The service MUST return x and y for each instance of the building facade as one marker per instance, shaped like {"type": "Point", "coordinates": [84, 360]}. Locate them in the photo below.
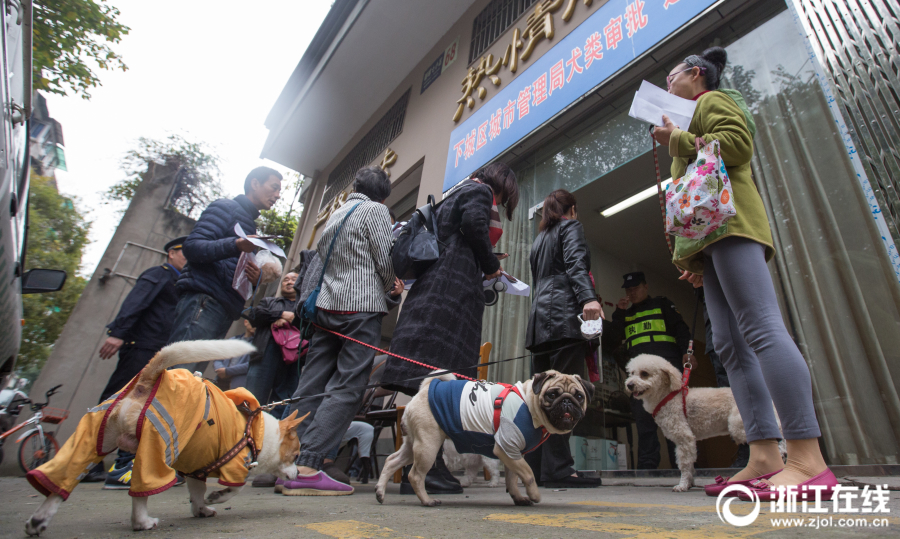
{"type": "Point", "coordinates": [433, 90]}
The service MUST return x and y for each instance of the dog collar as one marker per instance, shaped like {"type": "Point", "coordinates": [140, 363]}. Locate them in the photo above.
{"type": "Point", "coordinates": [683, 390]}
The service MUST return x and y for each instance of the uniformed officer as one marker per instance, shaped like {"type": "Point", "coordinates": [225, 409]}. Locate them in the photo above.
{"type": "Point", "coordinates": [144, 322]}
{"type": "Point", "coordinates": [649, 326]}
{"type": "Point", "coordinates": [141, 329]}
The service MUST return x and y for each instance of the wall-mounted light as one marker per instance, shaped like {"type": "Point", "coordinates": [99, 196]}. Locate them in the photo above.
{"type": "Point", "coordinates": [634, 199]}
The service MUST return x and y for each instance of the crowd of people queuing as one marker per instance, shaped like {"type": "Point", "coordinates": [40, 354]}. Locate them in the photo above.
{"type": "Point", "coordinates": [440, 323]}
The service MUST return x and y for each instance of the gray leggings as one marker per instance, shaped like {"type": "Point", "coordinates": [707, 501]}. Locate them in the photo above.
{"type": "Point", "coordinates": [763, 362]}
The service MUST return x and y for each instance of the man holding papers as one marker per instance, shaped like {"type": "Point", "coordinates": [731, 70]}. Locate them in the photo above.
{"type": "Point", "coordinates": [208, 303]}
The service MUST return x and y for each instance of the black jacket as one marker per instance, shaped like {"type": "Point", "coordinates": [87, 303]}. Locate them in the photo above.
{"type": "Point", "coordinates": [560, 262]}
{"type": "Point", "coordinates": [646, 311]}
{"type": "Point", "coordinates": [266, 313]}
{"type": "Point", "coordinates": [146, 316]}
{"type": "Point", "coordinates": [212, 252]}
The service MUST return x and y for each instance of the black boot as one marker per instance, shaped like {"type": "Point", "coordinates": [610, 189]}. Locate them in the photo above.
{"type": "Point", "coordinates": [442, 468]}
{"type": "Point", "coordinates": [434, 483]}
{"type": "Point", "coordinates": [96, 475]}
{"type": "Point", "coordinates": [742, 457]}
{"type": "Point", "coordinates": [366, 469]}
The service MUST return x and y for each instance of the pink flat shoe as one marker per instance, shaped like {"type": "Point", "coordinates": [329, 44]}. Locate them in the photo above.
{"type": "Point", "coordinates": [722, 482]}
{"type": "Point", "coordinates": [824, 482]}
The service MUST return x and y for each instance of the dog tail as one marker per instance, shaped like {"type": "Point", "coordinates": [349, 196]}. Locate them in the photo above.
{"type": "Point", "coordinates": [446, 377]}
{"type": "Point", "coordinates": [183, 352]}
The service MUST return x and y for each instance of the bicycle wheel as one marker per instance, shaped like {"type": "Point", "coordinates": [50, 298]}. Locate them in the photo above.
{"type": "Point", "coordinates": [33, 451]}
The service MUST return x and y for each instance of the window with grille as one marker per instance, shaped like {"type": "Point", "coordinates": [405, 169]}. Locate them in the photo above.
{"type": "Point", "coordinates": [495, 19]}
{"type": "Point", "coordinates": [374, 143]}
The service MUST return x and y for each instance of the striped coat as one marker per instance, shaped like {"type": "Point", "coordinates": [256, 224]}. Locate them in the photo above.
{"type": "Point", "coordinates": [360, 270]}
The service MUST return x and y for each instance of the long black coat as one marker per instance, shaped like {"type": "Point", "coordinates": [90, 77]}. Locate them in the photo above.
{"type": "Point", "coordinates": [440, 321]}
{"type": "Point", "coordinates": [560, 262]}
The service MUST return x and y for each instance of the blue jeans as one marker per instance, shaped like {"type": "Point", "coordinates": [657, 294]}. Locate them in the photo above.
{"type": "Point", "coordinates": [199, 317]}
{"type": "Point", "coordinates": [271, 379]}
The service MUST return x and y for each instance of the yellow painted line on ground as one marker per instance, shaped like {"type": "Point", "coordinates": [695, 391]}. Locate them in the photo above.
{"type": "Point", "coordinates": [354, 529]}
{"type": "Point", "coordinates": [602, 522]}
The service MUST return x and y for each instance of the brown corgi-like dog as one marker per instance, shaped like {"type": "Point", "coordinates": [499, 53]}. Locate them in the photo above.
{"type": "Point", "coordinates": [172, 421]}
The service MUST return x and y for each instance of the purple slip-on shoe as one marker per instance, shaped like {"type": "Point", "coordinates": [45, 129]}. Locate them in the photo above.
{"type": "Point", "coordinates": [315, 485]}
{"type": "Point", "coordinates": [721, 483]}
{"type": "Point", "coordinates": [279, 485]}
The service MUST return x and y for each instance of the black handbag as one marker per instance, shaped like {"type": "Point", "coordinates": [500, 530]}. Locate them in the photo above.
{"type": "Point", "coordinates": [417, 247]}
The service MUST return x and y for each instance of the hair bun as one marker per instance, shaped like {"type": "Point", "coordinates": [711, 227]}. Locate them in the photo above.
{"type": "Point", "coordinates": [716, 56]}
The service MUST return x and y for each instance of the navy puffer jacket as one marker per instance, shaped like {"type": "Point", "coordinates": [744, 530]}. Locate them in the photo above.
{"type": "Point", "coordinates": [212, 253]}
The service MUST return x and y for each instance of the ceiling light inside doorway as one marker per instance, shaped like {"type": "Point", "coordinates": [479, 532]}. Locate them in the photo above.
{"type": "Point", "coordinates": [634, 199]}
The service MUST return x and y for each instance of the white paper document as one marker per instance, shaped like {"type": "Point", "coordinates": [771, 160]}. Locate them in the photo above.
{"type": "Point", "coordinates": [258, 242]}
{"type": "Point", "coordinates": [651, 102]}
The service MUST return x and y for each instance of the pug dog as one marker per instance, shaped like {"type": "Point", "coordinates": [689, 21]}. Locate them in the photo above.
{"type": "Point", "coordinates": [494, 420]}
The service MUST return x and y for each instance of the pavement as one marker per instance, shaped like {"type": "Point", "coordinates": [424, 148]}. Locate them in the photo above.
{"type": "Point", "coordinates": [632, 509]}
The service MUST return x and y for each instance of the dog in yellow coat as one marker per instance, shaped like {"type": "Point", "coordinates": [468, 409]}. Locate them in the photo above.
{"type": "Point", "coordinates": [172, 421]}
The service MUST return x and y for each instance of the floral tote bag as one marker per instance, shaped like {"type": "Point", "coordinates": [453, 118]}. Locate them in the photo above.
{"type": "Point", "coordinates": [702, 200]}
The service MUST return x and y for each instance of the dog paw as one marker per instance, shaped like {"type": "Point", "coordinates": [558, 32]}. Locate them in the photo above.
{"type": "Point", "coordinates": [432, 503]}
{"type": "Point", "coordinates": [206, 512]}
{"type": "Point", "coordinates": [681, 487]}
{"type": "Point", "coordinates": [379, 496]}
{"type": "Point", "coordinates": [34, 526]}
{"type": "Point", "coordinates": [465, 482]}
{"type": "Point", "coordinates": [523, 501]}
{"type": "Point", "coordinates": [148, 523]}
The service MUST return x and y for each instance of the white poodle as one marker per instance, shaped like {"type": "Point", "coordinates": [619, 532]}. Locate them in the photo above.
{"type": "Point", "coordinates": [710, 411]}
{"type": "Point", "coordinates": [472, 464]}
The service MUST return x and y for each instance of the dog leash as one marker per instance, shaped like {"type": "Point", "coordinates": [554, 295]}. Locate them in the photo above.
{"type": "Point", "coordinates": [659, 190]}
{"type": "Point", "coordinates": [686, 375]}
{"type": "Point", "coordinates": [439, 372]}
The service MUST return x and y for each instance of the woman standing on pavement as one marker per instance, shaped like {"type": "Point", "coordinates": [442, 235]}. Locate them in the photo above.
{"type": "Point", "coordinates": [763, 362]}
{"type": "Point", "coordinates": [440, 321]}
{"type": "Point", "coordinates": [560, 269]}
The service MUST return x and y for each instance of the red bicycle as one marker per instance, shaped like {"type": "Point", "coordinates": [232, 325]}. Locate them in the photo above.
{"type": "Point", "coordinates": [36, 446]}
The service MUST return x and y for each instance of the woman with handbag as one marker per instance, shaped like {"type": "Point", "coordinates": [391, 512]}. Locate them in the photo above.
{"type": "Point", "coordinates": [560, 269]}
{"type": "Point", "coordinates": [764, 364]}
{"type": "Point", "coordinates": [440, 320]}
{"type": "Point", "coordinates": [349, 300]}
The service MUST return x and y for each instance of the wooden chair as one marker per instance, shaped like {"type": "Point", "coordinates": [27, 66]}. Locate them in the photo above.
{"type": "Point", "coordinates": [482, 375]}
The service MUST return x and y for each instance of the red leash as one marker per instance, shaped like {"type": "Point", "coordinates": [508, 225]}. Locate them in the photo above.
{"type": "Point", "coordinates": [685, 378]}
{"type": "Point", "coordinates": [427, 366]}
{"type": "Point", "coordinates": [662, 196]}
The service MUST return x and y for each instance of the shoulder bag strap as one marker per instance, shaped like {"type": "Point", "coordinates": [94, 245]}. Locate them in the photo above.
{"type": "Point", "coordinates": [333, 239]}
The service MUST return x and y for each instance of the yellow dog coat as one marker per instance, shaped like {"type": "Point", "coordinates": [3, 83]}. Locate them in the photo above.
{"type": "Point", "coordinates": [186, 424]}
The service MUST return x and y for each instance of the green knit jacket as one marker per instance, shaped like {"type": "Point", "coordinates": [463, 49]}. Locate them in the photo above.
{"type": "Point", "coordinates": [719, 116]}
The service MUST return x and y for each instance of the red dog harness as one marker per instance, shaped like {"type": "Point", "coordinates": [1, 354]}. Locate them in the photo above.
{"type": "Point", "coordinates": [684, 391]}
{"type": "Point", "coordinates": [498, 407]}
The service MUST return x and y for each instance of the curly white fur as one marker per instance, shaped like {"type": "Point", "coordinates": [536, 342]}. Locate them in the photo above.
{"type": "Point", "coordinates": [472, 464]}
{"type": "Point", "coordinates": [710, 411]}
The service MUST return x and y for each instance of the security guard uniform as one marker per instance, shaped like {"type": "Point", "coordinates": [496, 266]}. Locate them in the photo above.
{"type": "Point", "coordinates": [144, 321]}
{"type": "Point", "coordinates": [653, 326]}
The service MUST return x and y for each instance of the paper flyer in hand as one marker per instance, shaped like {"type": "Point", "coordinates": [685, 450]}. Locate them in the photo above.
{"type": "Point", "coordinates": [651, 102]}
{"type": "Point", "coordinates": [258, 242]}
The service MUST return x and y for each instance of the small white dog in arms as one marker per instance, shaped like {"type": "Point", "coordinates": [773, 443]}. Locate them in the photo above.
{"type": "Point", "coordinates": [710, 411]}
{"type": "Point", "coordinates": [486, 418]}
{"type": "Point", "coordinates": [146, 418]}
{"type": "Point", "coordinates": [472, 464]}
